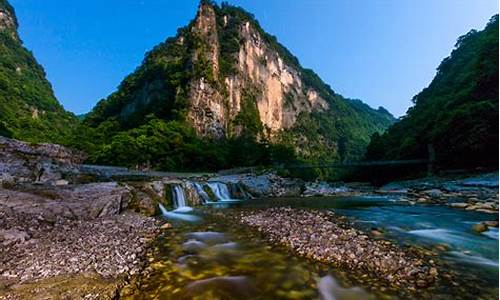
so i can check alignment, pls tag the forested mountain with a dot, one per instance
(224, 93)
(457, 112)
(28, 109)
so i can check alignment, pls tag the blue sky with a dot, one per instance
(380, 51)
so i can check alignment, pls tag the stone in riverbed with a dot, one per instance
(166, 226)
(459, 205)
(491, 223)
(480, 227)
(435, 193)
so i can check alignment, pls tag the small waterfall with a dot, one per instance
(201, 192)
(179, 199)
(220, 190)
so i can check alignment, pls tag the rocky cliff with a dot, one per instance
(226, 77)
(29, 110)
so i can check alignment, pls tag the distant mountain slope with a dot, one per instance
(227, 79)
(28, 109)
(457, 112)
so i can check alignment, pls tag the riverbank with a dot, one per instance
(324, 237)
(88, 259)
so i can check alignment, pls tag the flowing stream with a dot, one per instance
(207, 258)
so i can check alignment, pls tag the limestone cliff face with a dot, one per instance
(226, 77)
(208, 107)
(280, 94)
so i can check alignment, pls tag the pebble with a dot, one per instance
(310, 234)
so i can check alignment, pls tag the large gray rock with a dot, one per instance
(83, 202)
(24, 162)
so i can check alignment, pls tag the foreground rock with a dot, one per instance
(108, 247)
(80, 236)
(314, 235)
(82, 202)
(47, 163)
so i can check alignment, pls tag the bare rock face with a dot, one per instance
(44, 163)
(275, 87)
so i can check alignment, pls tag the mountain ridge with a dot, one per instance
(224, 76)
(457, 112)
(29, 108)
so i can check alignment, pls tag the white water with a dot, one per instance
(201, 192)
(474, 259)
(179, 199)
(179, 214)
(220, 190)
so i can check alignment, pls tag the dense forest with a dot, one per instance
(29, 110)
(457, 113)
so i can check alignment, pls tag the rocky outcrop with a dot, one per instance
(43, 163)
(228, 78)
(276, 87)
(78, 202)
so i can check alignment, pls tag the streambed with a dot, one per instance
(241, 265)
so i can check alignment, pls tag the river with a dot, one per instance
(203, 257)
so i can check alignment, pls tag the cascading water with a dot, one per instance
(220, 190)
(178, 214)
(203, 195)
(178, 195)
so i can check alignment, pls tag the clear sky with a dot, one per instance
(380, 51)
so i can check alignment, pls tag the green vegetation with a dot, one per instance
(457, 112)
(121, 135)
(144, 123)
(29, 110)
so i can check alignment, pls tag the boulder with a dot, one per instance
(479, 227)
(25, 162)
(83, 202)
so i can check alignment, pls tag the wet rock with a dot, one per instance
(323, 189)
(491, 223)
(480, 227)
(433, 193)
(166, 226)
(459, 205)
